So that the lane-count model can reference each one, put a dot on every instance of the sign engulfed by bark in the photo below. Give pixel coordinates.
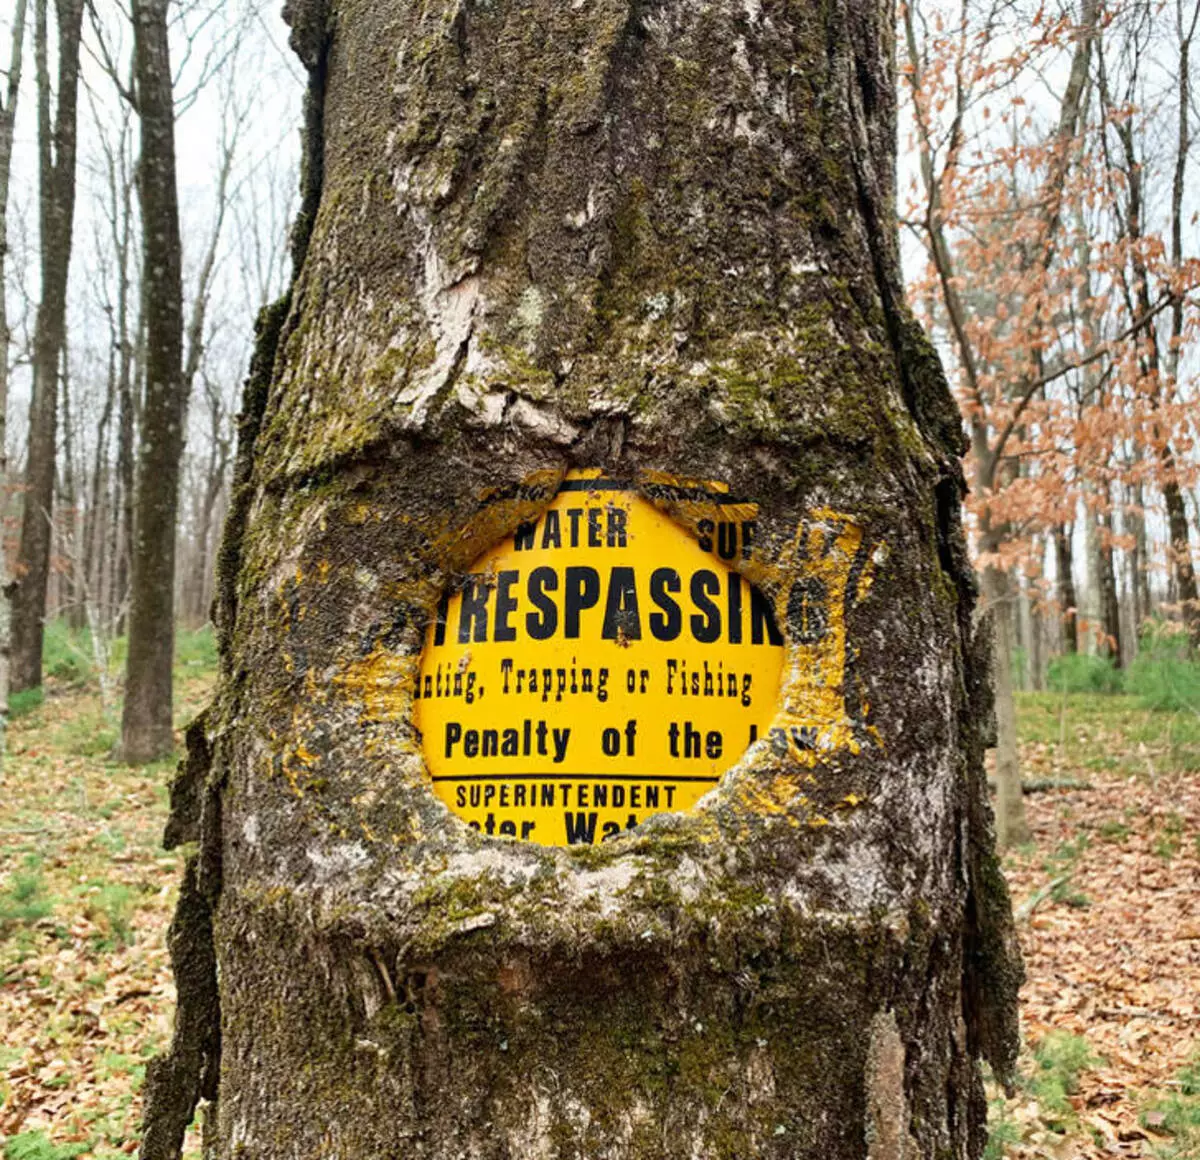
(608, 661)
(630, 249)
(599, 666)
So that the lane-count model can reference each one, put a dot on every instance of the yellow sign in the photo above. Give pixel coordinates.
(599, 666)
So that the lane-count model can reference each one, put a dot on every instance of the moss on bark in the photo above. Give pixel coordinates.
(649, 238)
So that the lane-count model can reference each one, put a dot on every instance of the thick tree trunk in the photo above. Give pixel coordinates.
(146, 727)
(56, 202)
(657, 241)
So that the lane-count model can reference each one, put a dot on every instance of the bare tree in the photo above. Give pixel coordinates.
(56, 175)
(146, 726)
(8, 116)
(1137, 281)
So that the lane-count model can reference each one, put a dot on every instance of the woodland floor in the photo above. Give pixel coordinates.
(1107, 896)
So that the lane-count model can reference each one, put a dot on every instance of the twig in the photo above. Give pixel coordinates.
(1147, 1013)
(1041, 784)
(1026, 909)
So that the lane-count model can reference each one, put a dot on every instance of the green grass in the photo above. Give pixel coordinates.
(196, 648)
(25, 900)
(22, 703)
(1003, 1131)
(110, 909)
(1059, 1060)
(1082, 673)
(1169, 840)
(1114, 831)
(68, 657)
(1165, 676)
(35, 1146)
(1113, 732)
(1177, 1115)
(1060, 867)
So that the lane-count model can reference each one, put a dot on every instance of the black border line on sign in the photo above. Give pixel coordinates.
(569, 777)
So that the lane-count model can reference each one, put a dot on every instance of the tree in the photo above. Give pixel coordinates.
(658, 242)
(146, 725)
(8, 116)
(56, 205)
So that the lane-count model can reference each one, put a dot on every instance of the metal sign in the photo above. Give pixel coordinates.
(599, 666)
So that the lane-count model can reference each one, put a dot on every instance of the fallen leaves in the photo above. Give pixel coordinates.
(1115, 957)
(86, 994)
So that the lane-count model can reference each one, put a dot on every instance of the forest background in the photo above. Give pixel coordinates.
(1049, 201)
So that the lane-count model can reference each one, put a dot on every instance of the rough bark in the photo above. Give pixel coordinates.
(646, 239)
(56, 214)
(146, 726)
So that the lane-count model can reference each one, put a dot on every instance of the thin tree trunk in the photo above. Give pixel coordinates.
(95, 533)
(1183, 572)
(660, 243)
(1011, 827)
(56, 175)
(146, 724)
(1106, 576)
(8, 115)
(68, 523)
(1068, 602)
(214, 485)
(1139, 561)
(1037, 629)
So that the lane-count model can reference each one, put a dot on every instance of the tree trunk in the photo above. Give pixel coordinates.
(1182, 569)
(56, 203)
(660, 243)
(1068, 602)
(146, 726)
(1139, 561)
(1037, 629)
(68, 524)
(8, 116)
(1106, 579)
(1011, 827)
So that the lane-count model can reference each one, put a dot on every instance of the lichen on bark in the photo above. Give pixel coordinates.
(647, 238)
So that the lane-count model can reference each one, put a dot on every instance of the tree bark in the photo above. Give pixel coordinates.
(1068, 602)
(56, 204)
(658, 241)
(1106, 574)
(1011, 826)
(146, 726)
(1139, 560)
(1037, 629)
(8, 116)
